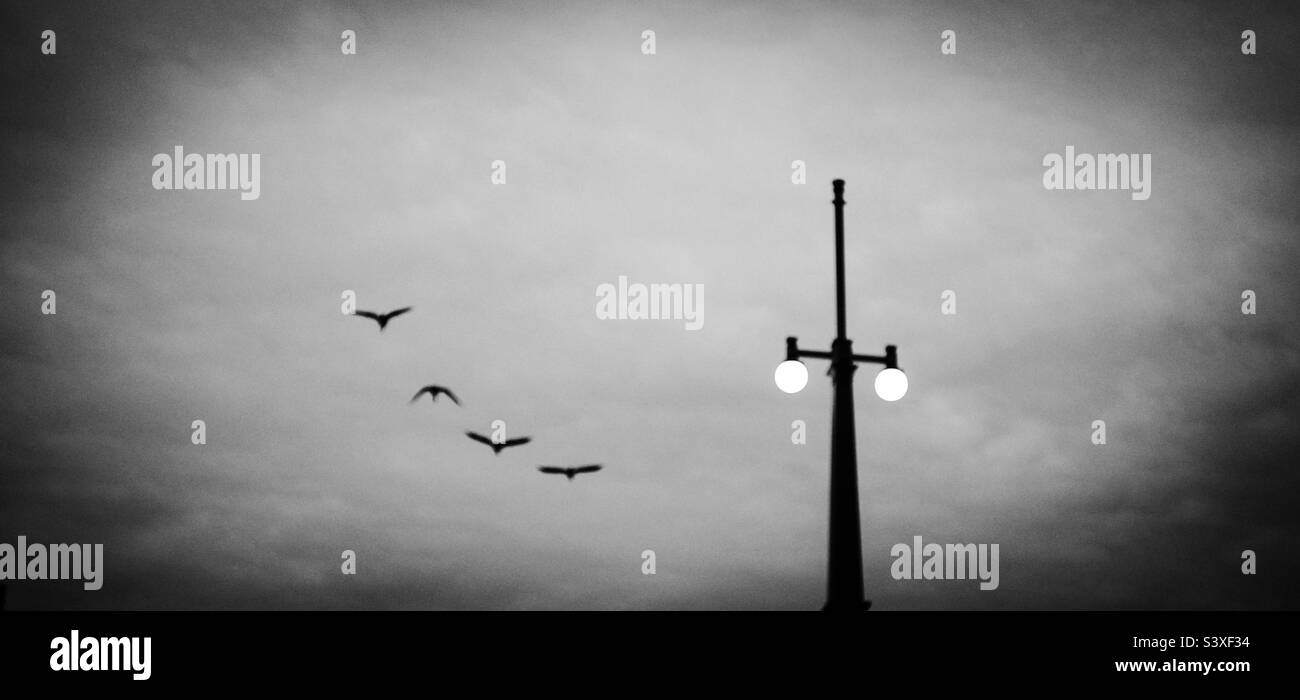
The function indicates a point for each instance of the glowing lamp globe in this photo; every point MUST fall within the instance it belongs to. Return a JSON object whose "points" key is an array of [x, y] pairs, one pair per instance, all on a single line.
{"points": [[891, 384], [791, 376]]}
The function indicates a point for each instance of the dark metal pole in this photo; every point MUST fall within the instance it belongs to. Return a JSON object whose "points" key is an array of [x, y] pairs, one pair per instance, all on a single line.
{"points": [[844, 560], [838, 187]]}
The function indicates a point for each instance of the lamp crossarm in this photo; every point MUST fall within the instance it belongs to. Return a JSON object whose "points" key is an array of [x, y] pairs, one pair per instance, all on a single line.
{"points": [[794, 352], [813, 353]]}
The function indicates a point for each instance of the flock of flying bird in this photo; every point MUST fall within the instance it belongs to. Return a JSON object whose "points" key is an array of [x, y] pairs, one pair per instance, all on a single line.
{"points": [[434, 391]]}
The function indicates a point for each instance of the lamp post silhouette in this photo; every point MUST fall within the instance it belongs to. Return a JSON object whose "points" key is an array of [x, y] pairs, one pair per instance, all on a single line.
{"points": [[844, 560]]}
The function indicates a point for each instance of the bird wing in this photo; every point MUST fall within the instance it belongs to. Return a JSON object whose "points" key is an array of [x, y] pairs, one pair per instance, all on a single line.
{"points": [[367, 314], [394, 314], [478, 438], [421, 392], [586, 469], [450, 395], [517, 441], [550, 470]]}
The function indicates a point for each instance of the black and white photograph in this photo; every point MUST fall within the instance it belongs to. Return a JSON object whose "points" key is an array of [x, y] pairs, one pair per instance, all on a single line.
{"points": [[921, 317]]}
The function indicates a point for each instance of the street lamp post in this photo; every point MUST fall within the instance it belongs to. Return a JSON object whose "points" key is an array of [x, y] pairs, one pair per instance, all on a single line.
{"points": [[844, 560]]}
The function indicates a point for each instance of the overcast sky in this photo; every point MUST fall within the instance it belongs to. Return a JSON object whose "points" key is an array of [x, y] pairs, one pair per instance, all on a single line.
{"points": [[375, 168]]}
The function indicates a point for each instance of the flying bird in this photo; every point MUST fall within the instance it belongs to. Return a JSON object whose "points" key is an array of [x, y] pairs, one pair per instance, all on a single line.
{"points": [[383, 319], [570, 471], [433, 391], [497, 446]]}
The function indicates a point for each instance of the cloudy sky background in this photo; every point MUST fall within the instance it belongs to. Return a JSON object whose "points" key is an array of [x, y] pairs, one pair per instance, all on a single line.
{"points": [[1072, 306]]}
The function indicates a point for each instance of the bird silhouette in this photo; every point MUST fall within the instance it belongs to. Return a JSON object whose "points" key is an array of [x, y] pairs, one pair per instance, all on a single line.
{"points": [[433, 391], [570, 471], [383, 319], [497, 446]]}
